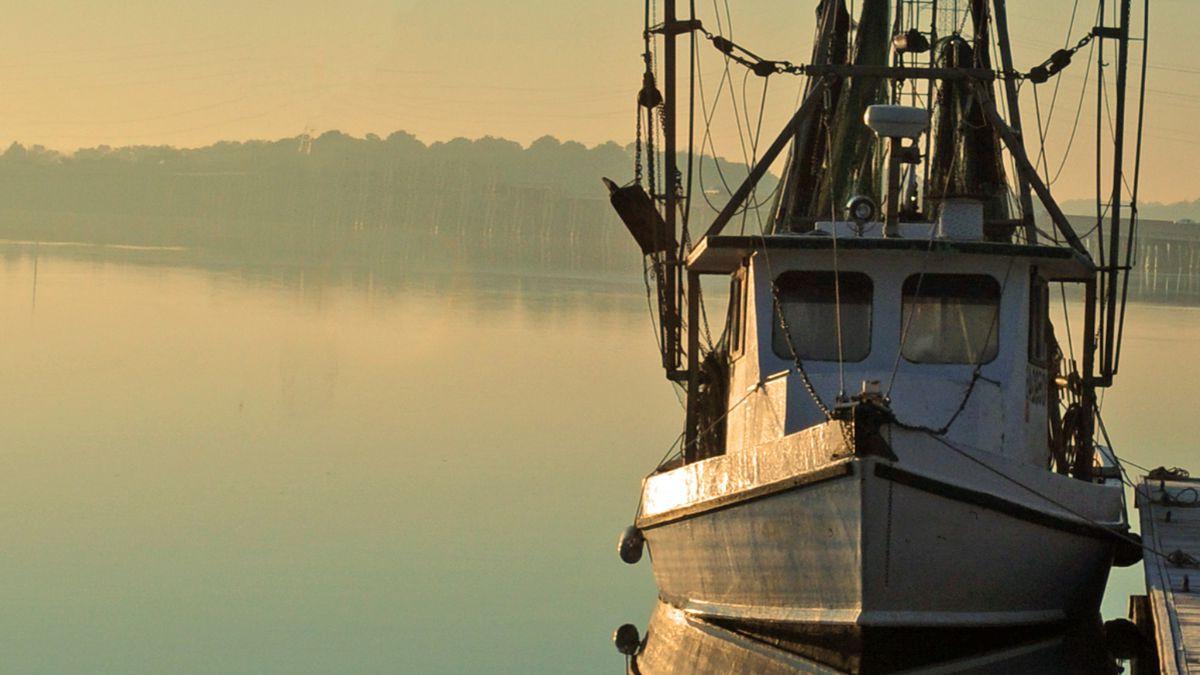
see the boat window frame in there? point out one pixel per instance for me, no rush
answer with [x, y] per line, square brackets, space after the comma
[842, 277]
[737, 313]
[1039, 319]
[996, 328]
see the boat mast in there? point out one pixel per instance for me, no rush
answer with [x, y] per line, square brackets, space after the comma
[1108, 365]
[671, 30]
[674, 290]
[674, 270]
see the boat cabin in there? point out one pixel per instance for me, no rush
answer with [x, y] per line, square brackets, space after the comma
[953, 334]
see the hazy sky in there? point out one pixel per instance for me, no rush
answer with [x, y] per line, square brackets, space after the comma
[78, 73]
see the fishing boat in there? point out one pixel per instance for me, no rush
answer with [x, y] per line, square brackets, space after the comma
[893, 429]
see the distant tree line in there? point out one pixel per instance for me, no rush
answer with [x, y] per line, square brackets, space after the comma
[339, 199]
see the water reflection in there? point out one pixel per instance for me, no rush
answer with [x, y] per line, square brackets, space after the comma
[213, 467]
[676, 642]
[268, 470]
[312, 281]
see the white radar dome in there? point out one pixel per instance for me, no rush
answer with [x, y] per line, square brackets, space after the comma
[897, 121]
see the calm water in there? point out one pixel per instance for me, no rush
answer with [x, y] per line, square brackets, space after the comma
[222, 471]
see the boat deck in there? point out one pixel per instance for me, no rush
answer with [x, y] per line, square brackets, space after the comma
[1170, 524]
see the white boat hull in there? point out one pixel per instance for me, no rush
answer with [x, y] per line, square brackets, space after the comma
[878, 542]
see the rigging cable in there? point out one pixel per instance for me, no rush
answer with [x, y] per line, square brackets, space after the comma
[1043, 131]
[737, 114]
[1123, 537]
[1054, 95]
[837, 285]
[1137, 175]
[685, 239]
[778, 310]
[707, 142]
[920, 279]
[1100, 94]
[754, 140]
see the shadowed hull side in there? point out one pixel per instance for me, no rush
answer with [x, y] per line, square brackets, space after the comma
[880, 547]
[677, 642]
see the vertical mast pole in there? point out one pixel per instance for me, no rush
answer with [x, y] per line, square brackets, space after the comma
[1114, 236]
[1097, 329]
[1000, 14]
[1085, 450]
[669, 165]
[677, 289]
[930, 88]
[673, 271]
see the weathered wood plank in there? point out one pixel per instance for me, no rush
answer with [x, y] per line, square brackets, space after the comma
[1173, 590]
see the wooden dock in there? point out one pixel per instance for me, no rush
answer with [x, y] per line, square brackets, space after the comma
[1170, 524]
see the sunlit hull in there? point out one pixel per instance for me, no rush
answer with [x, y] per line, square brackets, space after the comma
[927, 539]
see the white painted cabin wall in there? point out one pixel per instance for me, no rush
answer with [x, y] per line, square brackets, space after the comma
[997, 418]
[756, 407]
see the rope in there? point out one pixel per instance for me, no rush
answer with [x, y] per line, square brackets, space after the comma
[1180, 559]
[742, 56]
[787, 333]
[1042, 132]
[1177, 499]
[1163, 473]
[1116, 535]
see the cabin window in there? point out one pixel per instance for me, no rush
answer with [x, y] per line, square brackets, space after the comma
[806, 304]
[950, 318]
[737, 312]
[1039, 319]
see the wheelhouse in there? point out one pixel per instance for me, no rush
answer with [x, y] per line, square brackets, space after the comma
[955, 336]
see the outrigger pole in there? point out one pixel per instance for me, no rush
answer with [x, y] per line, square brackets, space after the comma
[1000, 15]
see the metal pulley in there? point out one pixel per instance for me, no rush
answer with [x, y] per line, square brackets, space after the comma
[1052, 66]
[912, 41]
[649, 97]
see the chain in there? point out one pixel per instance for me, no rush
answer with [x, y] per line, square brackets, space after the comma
[787, 336]
[637, 149]
[767, 67]
[653, 177]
